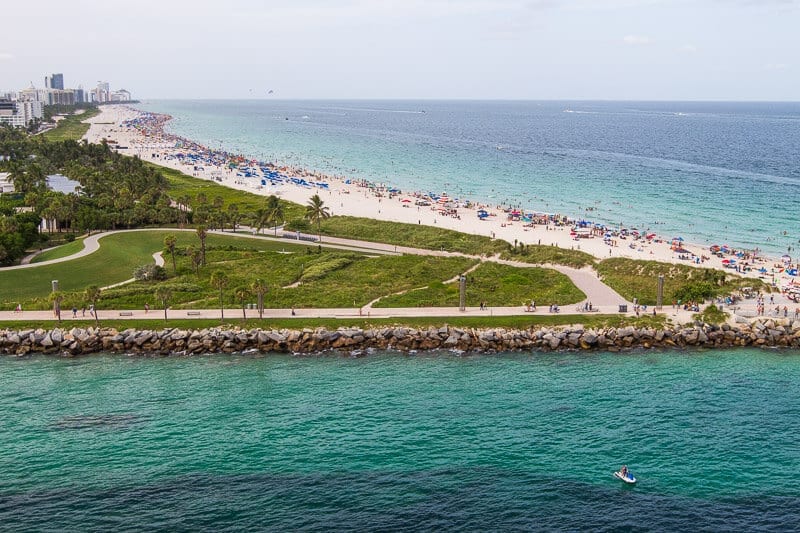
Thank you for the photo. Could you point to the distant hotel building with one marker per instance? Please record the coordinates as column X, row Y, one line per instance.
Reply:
column 121, row 96
column 21, row 107
column 20, row 113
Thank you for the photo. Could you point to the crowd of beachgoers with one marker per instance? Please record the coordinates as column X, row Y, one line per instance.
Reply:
column 144, row 134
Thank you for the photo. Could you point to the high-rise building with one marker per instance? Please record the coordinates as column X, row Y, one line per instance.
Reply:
column 80, row 95
column 102, row 92
column 19, row 114
column 57, row 81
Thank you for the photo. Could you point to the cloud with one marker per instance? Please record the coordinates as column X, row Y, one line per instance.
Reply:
column 688, row 49
column 776, row 66
column 5, row 56
column 636, row 40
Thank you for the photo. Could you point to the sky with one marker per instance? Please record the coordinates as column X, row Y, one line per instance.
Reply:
column 477, row 49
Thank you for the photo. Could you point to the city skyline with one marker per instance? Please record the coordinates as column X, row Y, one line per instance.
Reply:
column 507, row 49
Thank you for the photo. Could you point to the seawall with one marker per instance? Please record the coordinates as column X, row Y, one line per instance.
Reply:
column 81, row 341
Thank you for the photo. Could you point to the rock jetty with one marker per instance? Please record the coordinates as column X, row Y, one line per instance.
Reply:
column 80, row 341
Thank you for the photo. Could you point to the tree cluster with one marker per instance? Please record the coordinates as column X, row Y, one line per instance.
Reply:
column 115, row 191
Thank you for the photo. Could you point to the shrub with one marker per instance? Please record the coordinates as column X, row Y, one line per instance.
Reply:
column 697, row 291
column 149, row 273
column 297, row 224
column 712, row 315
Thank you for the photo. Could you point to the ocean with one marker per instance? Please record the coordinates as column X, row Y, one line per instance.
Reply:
column 395, row 442
column 711, row 172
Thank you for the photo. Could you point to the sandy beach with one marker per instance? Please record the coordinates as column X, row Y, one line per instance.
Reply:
column 347, row 196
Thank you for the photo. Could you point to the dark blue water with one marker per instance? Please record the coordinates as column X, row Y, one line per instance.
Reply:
column 711, row 172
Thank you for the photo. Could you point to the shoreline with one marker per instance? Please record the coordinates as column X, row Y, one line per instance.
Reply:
column 142, row 133
column 763, row 333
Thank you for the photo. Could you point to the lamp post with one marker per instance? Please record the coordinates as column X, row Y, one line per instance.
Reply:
column 462, row 293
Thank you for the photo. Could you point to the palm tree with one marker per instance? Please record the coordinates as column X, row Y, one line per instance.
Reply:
column 316, row 212
column 242, row 293
column 233, row 215
column 260, row 288
column 16, row 175
column 169, row 242
column 196, row 258
column 92, row 294
column 275, row 214
column 202, row 234
column 164, row 295
column 260, row 218
column 219, row 280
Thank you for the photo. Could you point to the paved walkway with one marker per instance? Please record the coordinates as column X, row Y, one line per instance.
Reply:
column 234, row 314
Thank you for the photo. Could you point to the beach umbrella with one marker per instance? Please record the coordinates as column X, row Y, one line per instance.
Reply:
column 406, row 200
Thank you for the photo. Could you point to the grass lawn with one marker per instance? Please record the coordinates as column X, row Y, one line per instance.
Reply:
column 71, row 127
column 118, row 255
column 496, row 285
column 60, row 251
column 516, row 322
column 633, row 278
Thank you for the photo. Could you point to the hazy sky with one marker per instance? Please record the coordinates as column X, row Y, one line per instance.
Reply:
column 520, row 49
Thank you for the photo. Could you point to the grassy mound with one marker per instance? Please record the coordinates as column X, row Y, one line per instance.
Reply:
column 412, row 235
column 496, row 285
column 633, row 278
column 542, row 254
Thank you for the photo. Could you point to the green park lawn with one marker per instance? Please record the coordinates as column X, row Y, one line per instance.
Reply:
column 60, row 251
column 114, row 262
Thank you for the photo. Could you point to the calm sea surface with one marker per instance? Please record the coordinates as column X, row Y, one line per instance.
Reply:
column 725, row 173
column 396, row 442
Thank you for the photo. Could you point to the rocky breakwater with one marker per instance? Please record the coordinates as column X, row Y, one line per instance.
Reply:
column 79, row 341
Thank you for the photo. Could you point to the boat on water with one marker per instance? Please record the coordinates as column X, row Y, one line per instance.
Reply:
column 625, row 476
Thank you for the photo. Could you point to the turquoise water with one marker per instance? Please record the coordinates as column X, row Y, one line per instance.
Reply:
column 724, row 173
column 437, row 441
